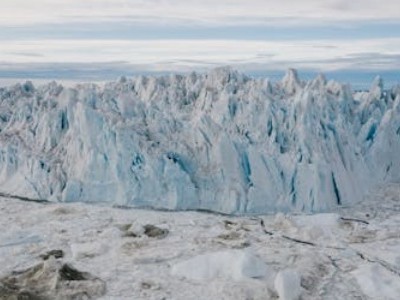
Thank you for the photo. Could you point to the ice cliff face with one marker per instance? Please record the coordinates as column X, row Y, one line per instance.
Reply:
column 219, row 141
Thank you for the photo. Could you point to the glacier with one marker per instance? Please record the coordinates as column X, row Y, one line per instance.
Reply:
column 219, row 141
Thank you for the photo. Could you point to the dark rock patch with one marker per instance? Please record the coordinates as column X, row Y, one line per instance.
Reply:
column 52, row 253
column 48, row 280
column 69, row 273
column 155, row 232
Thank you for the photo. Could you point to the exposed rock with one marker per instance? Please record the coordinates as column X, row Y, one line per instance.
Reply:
column 52, row 253
column 155, row 232
column 229, row 224
column 51, row 280
column 233, row 235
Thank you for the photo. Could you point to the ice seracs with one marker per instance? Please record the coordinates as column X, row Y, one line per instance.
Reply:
column 220, row 141
column 291, row 82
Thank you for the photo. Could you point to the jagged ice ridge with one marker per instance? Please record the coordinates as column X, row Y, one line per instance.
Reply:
column 219, row 141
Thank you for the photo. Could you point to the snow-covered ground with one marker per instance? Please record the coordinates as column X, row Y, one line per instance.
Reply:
column 351, row 253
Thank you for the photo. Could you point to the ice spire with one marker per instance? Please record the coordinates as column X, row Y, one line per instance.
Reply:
column 376, row 88
column 291, row 82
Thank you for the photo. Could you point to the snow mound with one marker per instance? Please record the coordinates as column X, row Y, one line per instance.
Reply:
column 231, row 264
column 318, row 226
column 377, row 283
column 219, row 141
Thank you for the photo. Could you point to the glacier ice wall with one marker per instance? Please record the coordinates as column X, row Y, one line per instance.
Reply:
column 219, row 141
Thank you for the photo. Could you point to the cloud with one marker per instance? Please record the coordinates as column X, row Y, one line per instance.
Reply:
column 22, row 12
column 177, row 55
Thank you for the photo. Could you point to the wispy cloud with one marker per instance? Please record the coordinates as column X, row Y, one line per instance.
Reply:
column 23, row 12
column 176, row 55
column 128, row 36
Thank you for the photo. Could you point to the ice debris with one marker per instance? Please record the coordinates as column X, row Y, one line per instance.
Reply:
column 287, row 285
column 229, row 264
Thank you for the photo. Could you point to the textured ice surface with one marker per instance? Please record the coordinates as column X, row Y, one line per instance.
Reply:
column 209, row 256
column 219, row 141
column 232, row 264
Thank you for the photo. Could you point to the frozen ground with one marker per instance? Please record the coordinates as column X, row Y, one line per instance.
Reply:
column 352, row 253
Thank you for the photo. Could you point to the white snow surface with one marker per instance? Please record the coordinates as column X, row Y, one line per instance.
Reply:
column 232, row 264
column 219, row 141
column 212, row 256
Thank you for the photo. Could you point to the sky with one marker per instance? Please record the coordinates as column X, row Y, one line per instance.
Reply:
column 102, row 39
